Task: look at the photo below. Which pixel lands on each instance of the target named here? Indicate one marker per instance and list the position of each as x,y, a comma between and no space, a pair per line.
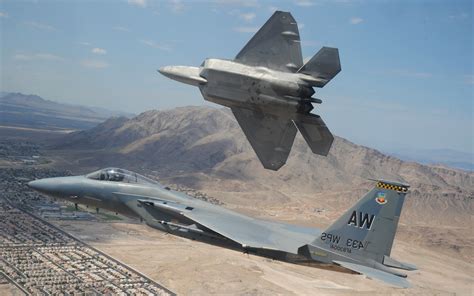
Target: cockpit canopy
120,175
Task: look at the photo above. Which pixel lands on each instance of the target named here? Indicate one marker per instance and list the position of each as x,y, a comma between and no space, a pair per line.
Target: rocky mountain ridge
204,140
204,149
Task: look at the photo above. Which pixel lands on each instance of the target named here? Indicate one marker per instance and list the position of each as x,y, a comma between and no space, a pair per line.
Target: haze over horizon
406,80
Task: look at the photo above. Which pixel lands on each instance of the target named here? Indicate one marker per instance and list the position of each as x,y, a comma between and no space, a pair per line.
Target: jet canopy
120,175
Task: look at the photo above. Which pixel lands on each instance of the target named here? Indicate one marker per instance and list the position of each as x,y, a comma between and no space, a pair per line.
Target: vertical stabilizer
367,229
361,239
322,67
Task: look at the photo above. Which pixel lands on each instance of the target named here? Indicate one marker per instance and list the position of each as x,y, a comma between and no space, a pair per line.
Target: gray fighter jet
269,89
360,240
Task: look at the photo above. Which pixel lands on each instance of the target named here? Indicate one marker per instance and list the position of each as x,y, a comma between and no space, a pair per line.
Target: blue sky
407,66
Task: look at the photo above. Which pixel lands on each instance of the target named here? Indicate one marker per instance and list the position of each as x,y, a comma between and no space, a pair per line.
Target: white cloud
156,45
243,3
37,56
245,29
248,17
3,14
41,26
460,16
48,56
85,43
95,64
22,57
139,3
177,6
356,20
304,3
120,28
98,50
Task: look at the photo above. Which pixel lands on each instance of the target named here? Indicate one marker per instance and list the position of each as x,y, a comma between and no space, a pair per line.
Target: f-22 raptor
360,240
269,89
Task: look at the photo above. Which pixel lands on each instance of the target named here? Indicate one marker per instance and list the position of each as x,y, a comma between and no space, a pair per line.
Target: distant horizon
396,152
407,67
68,103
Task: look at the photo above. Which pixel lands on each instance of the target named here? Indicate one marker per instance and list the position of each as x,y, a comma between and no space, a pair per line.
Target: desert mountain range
204,148
17,109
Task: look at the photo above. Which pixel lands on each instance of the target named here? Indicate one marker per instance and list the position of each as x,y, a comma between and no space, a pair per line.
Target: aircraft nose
58,186
40,185
184,74
165,70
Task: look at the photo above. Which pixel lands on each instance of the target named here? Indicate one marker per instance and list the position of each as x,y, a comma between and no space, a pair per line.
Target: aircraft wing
275,46
270,136
376,274
245,230
250,232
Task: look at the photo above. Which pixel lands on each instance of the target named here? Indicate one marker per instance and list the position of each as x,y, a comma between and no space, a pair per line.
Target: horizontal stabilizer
315,133
322,67
387,261
373,273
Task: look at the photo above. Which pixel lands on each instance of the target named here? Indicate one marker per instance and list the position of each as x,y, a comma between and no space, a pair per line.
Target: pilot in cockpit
115,176
120,175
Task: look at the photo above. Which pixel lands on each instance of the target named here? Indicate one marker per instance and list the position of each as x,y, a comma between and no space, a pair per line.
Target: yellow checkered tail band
392,187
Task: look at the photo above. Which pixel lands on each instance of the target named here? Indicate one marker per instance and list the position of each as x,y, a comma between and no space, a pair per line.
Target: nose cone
185,74
172,72
43,185
165,70
61,186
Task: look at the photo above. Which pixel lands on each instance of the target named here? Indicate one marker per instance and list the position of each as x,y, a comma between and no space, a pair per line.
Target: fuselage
360,240
233,84
114,196
121,197
124,197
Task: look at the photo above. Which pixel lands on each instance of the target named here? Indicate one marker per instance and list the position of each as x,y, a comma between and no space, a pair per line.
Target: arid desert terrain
203,149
